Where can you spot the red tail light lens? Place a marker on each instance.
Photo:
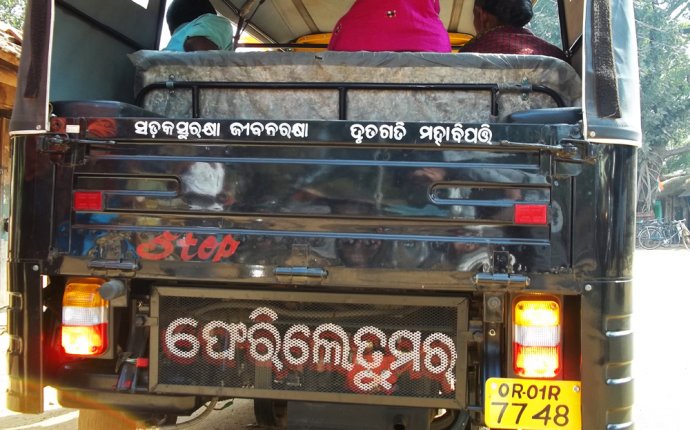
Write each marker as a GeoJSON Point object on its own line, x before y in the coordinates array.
{"type": "Point", "coordinates": [536, 338]}
{"type": "Point", "coordinates": [84, 317]}
{"type": "Point", "coordinates": [530, 214]}
{"type": "Point", "coordinates": [88, 201]}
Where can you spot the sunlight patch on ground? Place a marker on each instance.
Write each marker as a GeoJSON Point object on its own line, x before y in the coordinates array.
{"type": "Point", "coordinates": [65, 417]}
{"type": "Point", "coordinates": [49, 393]}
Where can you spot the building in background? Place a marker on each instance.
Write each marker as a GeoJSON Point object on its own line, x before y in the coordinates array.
{"type": "Point", "coordinates": [674, 198]}
{"type": "Point", "coordinates": [10, 50]}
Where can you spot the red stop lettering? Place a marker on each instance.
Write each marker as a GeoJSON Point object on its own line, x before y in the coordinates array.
{"type": "Point", "coordinates": [159, 247]}
{"type": "Point", "coordinates": [189, 247]}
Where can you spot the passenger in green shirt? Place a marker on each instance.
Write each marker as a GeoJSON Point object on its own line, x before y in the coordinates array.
{"type": "Point", "coordinates": [195, 26]}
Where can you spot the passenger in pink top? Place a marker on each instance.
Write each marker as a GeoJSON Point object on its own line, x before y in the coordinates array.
{"type": "Point", "coordinates": [391, 25]}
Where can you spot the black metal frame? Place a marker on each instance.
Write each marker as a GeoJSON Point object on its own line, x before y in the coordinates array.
{"type": "Point", "coordinates": [25, 351]}
{"type": "Point", "coordinates": [298, 46]}
{"type": "Point", "coordinates": [343, 88]}
{"type": "Point", "coordinates": [106, 29]}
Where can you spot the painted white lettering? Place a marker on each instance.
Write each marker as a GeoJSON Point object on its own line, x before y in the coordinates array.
{"type": "Point", "coordinates": [231, 334]}
{"type": "Point", "coordinates": [370, 357]}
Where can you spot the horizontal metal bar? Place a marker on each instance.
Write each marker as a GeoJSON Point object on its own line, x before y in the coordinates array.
{"type": "Point", "coordinates": [113, 264]}
{"type": "Point", "coordinates": [311, 272]}
{"type": "Point", "coordinates": [501, 280]}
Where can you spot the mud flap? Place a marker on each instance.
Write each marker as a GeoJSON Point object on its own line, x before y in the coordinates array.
{"type": "Point", "coordinates": [25, 351]}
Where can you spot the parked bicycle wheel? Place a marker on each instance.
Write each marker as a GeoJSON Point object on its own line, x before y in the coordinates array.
{"type": "Point", "coordinates": [650, 237]}
{"type": "Point", "coordinates": [684, 233]}
{"type": "Point", "coordinates": [686, 241]}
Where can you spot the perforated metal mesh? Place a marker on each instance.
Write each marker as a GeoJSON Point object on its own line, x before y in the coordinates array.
{"type": "Point", "coordinates": [320, 347]}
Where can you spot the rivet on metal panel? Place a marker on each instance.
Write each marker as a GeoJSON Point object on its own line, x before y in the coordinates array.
{"type": "Point", "coordinates": [526, 85]}
{"type": "Point", "coordinates": [493, 307]}
{"type": "Point", "coordinates": [494, 303]}
{"type": "Point", "coordinates": [170, 84]}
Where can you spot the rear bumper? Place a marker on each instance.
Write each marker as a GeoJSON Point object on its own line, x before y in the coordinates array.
{"type": "Point", "coordinates": [140, 402]}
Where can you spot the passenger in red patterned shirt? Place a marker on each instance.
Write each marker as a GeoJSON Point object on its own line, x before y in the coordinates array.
{"type": "Point", "coordinates": [499, 26]}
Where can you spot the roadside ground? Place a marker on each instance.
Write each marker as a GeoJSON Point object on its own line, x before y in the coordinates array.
{"type": "Point", "coordinates": [55, 417]}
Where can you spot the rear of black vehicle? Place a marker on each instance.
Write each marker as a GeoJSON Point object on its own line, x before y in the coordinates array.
{"type": "Point", "coordinates": [344, 271]}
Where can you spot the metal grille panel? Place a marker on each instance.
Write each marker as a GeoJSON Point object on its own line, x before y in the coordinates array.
{"type": "Point", "coordinates": [308, 345]}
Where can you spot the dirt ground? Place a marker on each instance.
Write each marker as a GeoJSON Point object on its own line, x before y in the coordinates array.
{"type": "Point", "coordinates": [237, 416]}
{"type": "Point", "coordinates": [55, 416]}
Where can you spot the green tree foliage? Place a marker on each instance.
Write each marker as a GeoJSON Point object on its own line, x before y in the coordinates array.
{"type": "Point", "coordinates": [545, 21]}
{"type": "Point", "coordinates": [663, 37]}
{"type": "Point", "coordinates": [12, 12]}
{"type": "Point", "coordinates": [663, 43]}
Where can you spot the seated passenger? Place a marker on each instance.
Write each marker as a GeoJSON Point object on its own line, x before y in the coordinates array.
{"type": "Point", "coordinates": [195, 26]}
{"type": "Point", "coordinates": [499, 26]}
{"type": "Point", "coordinates": [391, 25]}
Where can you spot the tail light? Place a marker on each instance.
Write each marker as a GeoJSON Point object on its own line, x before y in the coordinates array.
{"type": "Point", "coordinates": [531, 214]}
{"type": "Point", "coordinates": [88, 201]}
{"type": "Point", "coordinates": [84, 317]}
{"type": "Point", "coordinates": [536, 338]}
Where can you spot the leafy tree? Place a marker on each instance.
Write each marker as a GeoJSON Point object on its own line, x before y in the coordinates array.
{"type": "Point", "coordinates": [545, 21]}
{"type": "Point", "coordinates": [12, 12]}
{"type": "Point", "coordinates": [663, 37]}
{"type": "Point", "coordinates": [663, 42]}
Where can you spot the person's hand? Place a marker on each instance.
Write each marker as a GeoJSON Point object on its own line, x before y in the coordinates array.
{"type": "Point", "coordinates": [431, 174]}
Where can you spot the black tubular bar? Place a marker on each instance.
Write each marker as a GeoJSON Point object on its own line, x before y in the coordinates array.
{"type": "Point", "coordinates": [575, 46]}
{"type": "Point", "coordinates": [569, 49]}
{"type": "Point", "coordinates": [342, 88]}
{"type": "Point", "coordinates": [104, 28]}
{"type": "Point", "coordinates": [564, 26]}
{"type": "Point", "coordinates": [295, 46]}
{"type": "Point", "coordinates": [551, 93]}
{"type": "Point", "coordinates": [282, 45]}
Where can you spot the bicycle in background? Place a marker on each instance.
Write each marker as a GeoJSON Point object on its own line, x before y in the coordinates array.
{"type": "Point", "coordinates": [654, 235]}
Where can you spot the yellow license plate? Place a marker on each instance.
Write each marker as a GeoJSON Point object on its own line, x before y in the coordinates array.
{"type": "Point", "coordinates": [532, 404]}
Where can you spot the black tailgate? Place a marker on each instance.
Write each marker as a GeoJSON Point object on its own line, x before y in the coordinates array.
{"type": "Point", "coordinates": [323, 207]}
